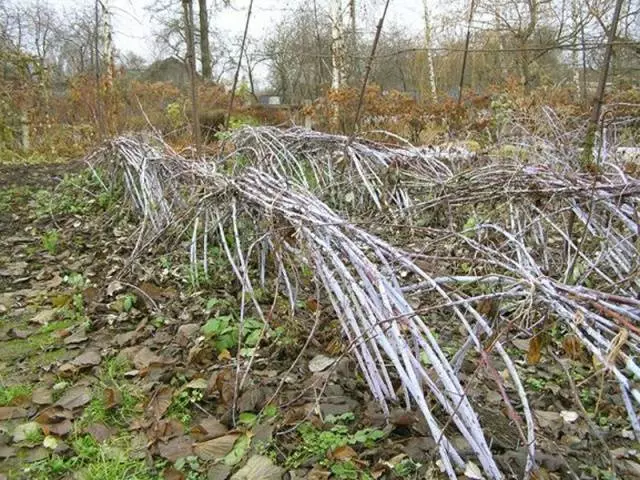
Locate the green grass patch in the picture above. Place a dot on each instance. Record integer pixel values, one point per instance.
(14, 196)
(92, 461)
(318, 443)
(55, 326)
(50, 241)
(116, 401)
(26, 347)
(49, 357)
(77, 194)
(14, 394)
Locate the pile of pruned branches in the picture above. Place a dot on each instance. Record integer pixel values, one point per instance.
(381, 225)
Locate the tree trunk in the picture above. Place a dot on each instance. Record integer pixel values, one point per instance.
(96, 65)
(319, 65)
(205, 46)
(235, 78)
(187, 6)
(337, 45)
(590, 137)
(107, 45)
(356, 66)
(575, 12)
(427, 38)
(337, 55)
(352, 17)
(106, 34)
(465, 54)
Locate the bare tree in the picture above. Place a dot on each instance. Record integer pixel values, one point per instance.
(187, 6)
(597, 106)
(532, 29)
(205, 47)
(338, 53)
(429, 53)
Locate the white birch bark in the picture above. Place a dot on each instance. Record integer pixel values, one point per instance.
(106, 34)
(574, 52)
(428, 48)
(337, 45)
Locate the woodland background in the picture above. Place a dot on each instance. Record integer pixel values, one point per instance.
(64, 85)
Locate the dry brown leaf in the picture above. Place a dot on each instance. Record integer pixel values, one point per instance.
(165, 430)
(59, 429)
(259, 466)
(208, 429)
(344, 452)
(8, 413)
(535, 350)
(77, 337)
(572, 347)
(54, 414)
(42, 396)
(171, 473)
(313, 305)
(75, 397)
(90, 358)
(145, 357)
(160, 402)
(112, 397)
(176, 448)
(216, 448)
(6, 451)
(225, 385)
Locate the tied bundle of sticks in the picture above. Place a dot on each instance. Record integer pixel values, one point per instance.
(536, 254)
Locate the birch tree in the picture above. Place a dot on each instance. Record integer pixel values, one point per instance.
(338, 53)
(429, 53)
(187, 6)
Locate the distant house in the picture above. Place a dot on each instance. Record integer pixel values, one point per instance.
(170, 69)
(269, 100)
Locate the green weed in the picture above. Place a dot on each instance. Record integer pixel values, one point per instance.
(224, 332)
(190, 467)
(181, 404)
(11, 197)
(112, 382)
(14, 394)
(318, 443)
(406, 468)
(50, 241)
(536, 384)
(74, 196)
(92, 461)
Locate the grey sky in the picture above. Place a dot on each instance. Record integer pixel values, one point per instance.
(133, 27)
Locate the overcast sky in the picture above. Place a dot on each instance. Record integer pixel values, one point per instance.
(133, 27)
